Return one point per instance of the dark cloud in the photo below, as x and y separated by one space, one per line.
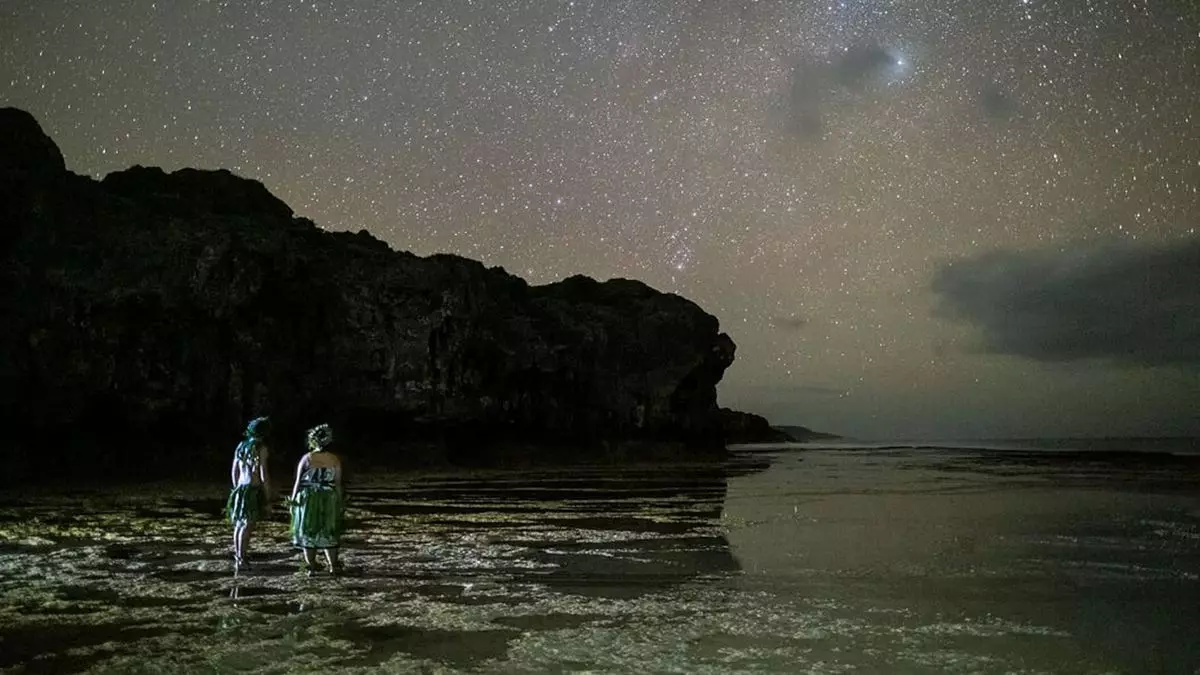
793 322
996 103
804 110
817 390
859 64
816 87
1126 303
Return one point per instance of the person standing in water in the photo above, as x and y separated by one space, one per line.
248 500
318 501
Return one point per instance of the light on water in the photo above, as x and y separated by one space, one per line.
829 560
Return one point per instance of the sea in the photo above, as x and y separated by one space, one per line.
1025 556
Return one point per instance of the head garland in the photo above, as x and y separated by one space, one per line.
257 428
247 450
319 437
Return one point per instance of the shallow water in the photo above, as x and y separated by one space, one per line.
897 560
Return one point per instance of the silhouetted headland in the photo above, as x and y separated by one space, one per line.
803 434
748 428
148 315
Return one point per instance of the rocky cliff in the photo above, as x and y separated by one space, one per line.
168 308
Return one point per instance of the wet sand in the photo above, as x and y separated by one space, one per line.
442 572
882 560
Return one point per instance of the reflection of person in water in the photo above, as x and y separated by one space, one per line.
317 501
248 500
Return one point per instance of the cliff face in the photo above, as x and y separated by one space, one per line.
180 305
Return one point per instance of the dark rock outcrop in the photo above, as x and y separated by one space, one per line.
741 427
746 428
25 148
804 434
192 191
173 307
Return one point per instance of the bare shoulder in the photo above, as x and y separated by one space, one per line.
326 459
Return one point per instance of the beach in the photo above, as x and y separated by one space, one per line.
900 558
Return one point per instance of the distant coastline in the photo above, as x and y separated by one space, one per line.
741 428
804 434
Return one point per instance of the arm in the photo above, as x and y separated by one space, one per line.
339 479
233 472
264 473
299 472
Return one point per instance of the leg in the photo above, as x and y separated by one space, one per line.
310 559
331 557
237 543
241 537
247 532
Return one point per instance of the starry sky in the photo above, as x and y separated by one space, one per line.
916 219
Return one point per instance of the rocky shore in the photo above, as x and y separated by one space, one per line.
164 309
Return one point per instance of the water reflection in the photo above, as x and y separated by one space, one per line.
595 532
970 560
454 569
893 560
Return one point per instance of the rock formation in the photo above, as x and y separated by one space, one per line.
741 427
172 307
747 428
801 434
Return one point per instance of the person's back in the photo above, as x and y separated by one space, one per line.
249 463
249 499
324 467
318 501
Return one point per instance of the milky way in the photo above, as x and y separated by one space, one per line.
804 171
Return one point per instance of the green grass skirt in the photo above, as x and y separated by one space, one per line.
317 518
245 504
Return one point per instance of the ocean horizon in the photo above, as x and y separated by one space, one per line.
1182 445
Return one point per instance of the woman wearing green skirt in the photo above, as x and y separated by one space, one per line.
317 501
249 498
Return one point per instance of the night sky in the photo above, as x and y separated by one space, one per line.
934 218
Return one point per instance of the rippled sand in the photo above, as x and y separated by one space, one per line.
828 561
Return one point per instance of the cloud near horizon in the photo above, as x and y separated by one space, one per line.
792 322
1128 303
